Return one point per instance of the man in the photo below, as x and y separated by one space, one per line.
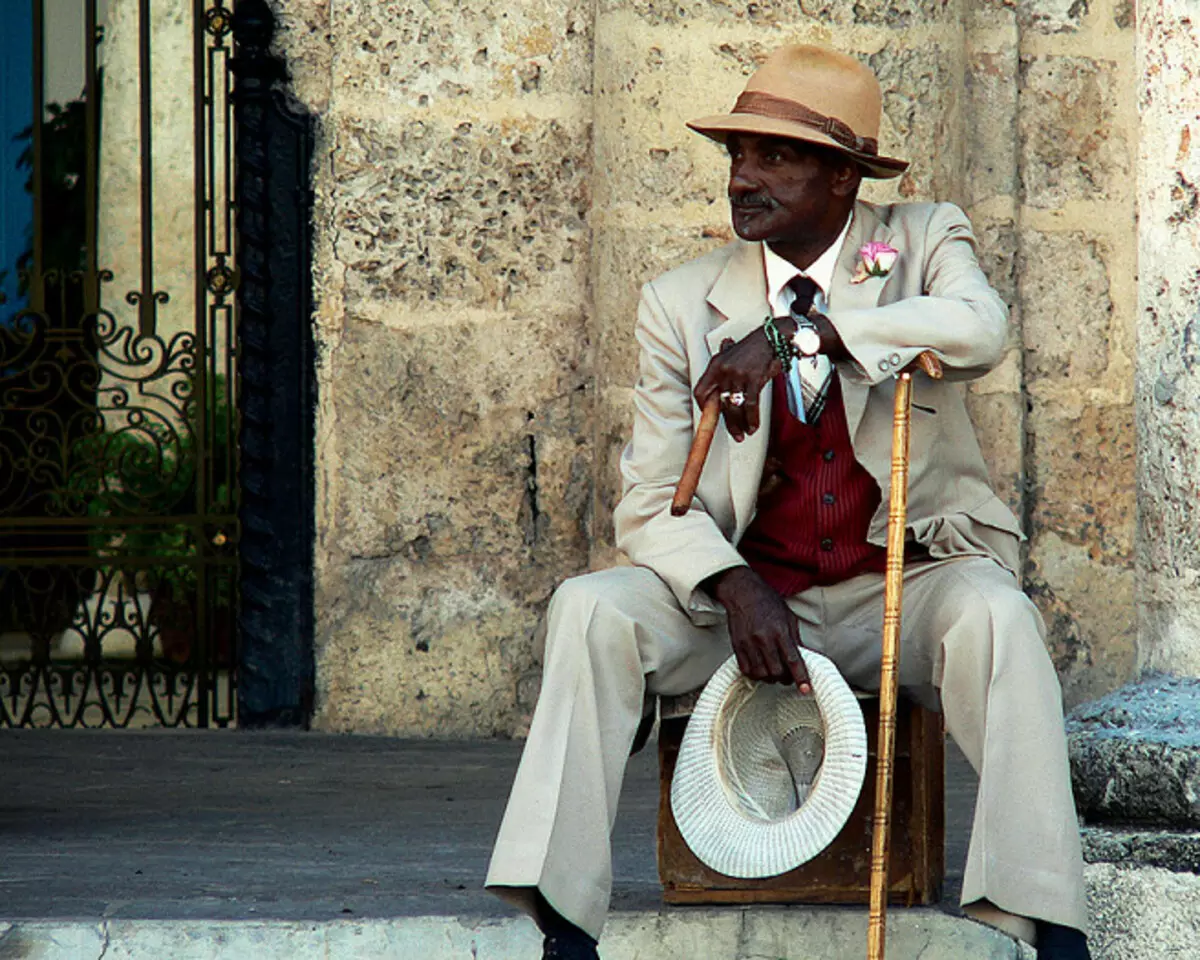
799 327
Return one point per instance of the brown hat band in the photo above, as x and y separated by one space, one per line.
777 108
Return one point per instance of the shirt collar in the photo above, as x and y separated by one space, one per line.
780 271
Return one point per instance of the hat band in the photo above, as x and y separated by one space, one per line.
777 108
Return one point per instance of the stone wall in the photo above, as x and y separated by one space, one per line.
496 181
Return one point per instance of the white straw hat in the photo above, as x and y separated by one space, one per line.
766 778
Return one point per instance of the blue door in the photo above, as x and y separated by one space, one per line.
16 99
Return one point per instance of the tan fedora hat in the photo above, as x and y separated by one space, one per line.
815 94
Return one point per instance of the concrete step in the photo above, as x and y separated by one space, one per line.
751 933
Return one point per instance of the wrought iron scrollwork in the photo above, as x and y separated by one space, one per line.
118 443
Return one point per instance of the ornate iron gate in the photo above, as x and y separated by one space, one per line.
119 354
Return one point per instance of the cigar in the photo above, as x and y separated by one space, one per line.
682 501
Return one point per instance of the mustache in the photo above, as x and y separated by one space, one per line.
758 200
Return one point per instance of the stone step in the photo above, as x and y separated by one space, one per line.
752 933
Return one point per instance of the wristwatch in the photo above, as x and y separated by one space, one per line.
807 339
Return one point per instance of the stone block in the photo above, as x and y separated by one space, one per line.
468 51
425 649
625 258
482 213
614 427
458 444
1065 306
1084 468
646 91
302 39
991 123
1072 144
1135 754
997 420
898 14
1052 16
996 247
1142 913
1177 850
921 108
1089 613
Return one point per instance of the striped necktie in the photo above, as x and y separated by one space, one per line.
815 373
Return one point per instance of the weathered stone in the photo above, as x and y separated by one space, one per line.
1065 307
1052 16
997 420
1089 615
996 245
1084 475
1168 336
920 109
481 213
1142 913
906 13
424 648
459 445
1071 141
990 133
467 51
1170 849
625 258
1135 754
302 38
614 426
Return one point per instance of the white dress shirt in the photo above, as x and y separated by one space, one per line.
779 296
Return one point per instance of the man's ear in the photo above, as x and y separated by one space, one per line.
846 179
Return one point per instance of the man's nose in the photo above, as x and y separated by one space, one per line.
743 178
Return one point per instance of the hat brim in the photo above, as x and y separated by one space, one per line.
719 127
726 838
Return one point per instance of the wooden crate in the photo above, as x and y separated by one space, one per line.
840 873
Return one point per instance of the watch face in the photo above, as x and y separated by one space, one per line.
807 341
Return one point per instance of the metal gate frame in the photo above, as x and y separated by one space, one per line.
139 485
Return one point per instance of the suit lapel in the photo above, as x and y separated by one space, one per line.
844 295
740 296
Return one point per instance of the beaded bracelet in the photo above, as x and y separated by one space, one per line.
780 344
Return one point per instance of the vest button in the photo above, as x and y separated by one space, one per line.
827 545
827 455
828 499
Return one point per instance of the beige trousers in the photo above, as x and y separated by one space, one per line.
968 633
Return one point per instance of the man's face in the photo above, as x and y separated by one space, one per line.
781 190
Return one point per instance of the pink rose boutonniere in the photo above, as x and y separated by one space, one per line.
877 261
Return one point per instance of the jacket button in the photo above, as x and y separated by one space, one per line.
827 545
895 359
827 456
828 499
884 366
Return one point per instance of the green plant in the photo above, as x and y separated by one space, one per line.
139 480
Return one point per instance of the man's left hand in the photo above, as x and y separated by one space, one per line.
744 367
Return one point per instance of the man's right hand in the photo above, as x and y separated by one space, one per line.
764 633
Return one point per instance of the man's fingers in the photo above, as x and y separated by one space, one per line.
795 661
775 670
751 413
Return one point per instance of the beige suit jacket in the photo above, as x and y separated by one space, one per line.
935 298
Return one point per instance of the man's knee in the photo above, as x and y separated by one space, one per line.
994 612
596 608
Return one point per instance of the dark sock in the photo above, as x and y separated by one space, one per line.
1056 942
563 939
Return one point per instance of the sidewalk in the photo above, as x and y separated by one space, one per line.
293 844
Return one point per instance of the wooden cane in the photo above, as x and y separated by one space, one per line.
686 489
889 661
